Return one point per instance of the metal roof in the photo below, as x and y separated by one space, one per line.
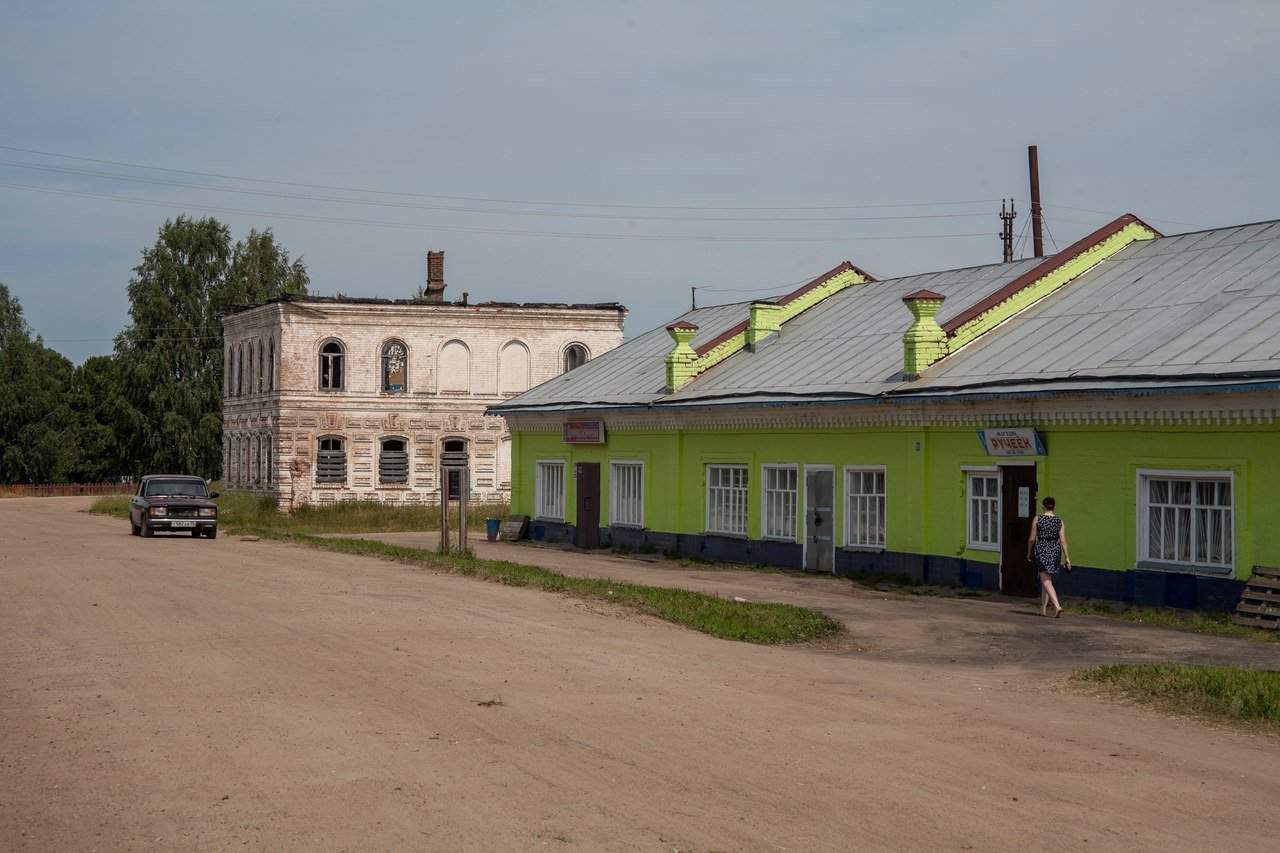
1200 308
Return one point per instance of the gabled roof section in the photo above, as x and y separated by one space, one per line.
685 362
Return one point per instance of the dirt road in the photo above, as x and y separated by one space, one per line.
184 694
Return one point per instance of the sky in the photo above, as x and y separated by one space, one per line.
616 150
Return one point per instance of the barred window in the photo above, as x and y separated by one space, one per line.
393 461
781 499
331 366
395 366
626 493
549 485
864 513
1187 519
331 460
727 499
983 526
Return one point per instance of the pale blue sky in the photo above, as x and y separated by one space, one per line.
625 119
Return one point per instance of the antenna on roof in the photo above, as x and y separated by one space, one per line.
1037 218
1006 229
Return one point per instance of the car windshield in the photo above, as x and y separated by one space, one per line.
177 488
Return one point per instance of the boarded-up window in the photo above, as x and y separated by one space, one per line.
393 461
455 367
331 460
513 368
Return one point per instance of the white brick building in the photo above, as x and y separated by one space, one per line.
329 399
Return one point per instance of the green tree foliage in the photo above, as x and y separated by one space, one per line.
170 357
36 425
101 415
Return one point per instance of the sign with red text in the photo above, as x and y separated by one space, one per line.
584 432
1011 441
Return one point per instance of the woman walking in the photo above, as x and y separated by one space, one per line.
1048 547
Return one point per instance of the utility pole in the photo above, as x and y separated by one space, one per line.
1037 218
1006 229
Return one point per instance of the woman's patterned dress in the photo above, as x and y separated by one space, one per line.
1047 550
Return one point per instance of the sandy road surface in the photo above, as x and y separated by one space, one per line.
183 694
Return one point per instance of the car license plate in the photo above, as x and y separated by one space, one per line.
182 524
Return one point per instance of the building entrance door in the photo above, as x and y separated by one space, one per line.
819 536
587 480
1017 512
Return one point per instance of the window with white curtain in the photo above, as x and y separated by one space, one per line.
983 525
864 514
1187 519
727 499
549 489
780 500
626 494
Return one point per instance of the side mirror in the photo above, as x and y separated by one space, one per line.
213 495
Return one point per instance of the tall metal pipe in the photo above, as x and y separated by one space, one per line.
1037 234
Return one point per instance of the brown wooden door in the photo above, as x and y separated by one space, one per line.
1017 512
819 540
587 479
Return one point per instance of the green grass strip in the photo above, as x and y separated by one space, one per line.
1230 694
1200 622
749 622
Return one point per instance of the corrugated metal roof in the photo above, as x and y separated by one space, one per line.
1191 307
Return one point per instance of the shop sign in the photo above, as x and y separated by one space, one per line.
584 432
1011 441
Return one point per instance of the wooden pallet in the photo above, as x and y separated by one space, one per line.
1260 602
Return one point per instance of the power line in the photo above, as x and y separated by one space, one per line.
476 198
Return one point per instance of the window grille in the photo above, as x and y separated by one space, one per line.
1188 519
781 499
393 461
626 493
727 499
331 461
984 511
549 486
864 507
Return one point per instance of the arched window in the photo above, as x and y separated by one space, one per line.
255 465
331 366
271 366
229 359
267 453
513 368
262 370
331 460
395 366
393 460
455 367
575 355
239 369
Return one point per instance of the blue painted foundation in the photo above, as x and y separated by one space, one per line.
1141 587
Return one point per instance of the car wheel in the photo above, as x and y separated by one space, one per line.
134 530
212 533
147 532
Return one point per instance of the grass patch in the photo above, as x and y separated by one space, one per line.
241 512
1200 622
767 624
1229 694
750 622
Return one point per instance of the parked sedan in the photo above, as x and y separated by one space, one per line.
173 502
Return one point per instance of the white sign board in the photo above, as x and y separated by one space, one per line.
1024 501
1011 441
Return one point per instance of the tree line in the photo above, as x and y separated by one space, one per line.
155 403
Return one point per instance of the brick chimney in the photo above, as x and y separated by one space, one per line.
435 276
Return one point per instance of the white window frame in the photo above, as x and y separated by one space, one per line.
727 504
1144 476
970 540
549 502
626 498
877 501
771 496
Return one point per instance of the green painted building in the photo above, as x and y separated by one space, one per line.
912 425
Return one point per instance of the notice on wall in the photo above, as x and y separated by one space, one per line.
1011 441
1024 501
584 432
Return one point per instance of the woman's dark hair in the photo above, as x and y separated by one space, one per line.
1049 503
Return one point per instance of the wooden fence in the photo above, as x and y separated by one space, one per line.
63 490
